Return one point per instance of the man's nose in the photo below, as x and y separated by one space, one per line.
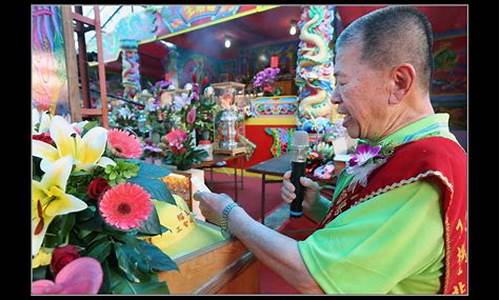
336 97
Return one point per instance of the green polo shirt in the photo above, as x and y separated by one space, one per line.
390 244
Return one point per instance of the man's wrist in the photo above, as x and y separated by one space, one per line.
225 217
319 209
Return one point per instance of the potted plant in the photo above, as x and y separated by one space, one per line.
181 150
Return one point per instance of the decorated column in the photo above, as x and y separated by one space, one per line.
314 76
170 64
131 78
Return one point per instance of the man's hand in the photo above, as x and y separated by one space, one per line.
212 205
311 192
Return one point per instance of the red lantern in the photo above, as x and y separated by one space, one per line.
274 61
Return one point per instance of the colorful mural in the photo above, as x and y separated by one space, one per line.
450 66
274 106
189 63
49 76
159 22
257 58
449 80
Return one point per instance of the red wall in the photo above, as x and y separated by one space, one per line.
263 141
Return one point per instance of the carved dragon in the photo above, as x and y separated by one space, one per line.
315 70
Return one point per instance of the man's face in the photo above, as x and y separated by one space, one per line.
360 92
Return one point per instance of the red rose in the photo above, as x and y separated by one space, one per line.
44 137
193 77
97 187
61 256
205 81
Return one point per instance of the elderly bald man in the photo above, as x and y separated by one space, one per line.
397 220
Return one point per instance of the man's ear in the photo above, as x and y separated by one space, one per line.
403 79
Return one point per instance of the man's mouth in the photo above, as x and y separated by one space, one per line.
347 118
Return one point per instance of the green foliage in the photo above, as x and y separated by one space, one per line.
131 263
122 171
149 177
37 172
58 230
78 183
118 284
89 126
100 248
40 273
155 258
189 157
152 225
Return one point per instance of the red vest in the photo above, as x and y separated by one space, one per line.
441 161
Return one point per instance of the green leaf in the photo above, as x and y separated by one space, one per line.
83 233
58 230
90 237
106 280
164 229
89 126
157 259
120 285
152 225
150 170
155 187
131 263
108 169
100 250
93 224
40 273
85 214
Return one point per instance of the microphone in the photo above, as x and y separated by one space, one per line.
299 149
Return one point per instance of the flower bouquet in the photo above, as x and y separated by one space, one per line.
181 150
93 200
264 80
319 164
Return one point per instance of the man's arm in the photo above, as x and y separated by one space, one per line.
277 251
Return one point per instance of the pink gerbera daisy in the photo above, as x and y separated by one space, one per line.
123 144
126 206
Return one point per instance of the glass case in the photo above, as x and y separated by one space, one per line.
229 120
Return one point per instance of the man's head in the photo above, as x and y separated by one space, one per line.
383 68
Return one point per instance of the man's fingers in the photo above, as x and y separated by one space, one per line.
287 175
287 195
198 196
308 183
288 185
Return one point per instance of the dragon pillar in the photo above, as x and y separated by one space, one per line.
131 78
314 76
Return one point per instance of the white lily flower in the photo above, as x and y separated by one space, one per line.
49 199
86 152
43 118
79 126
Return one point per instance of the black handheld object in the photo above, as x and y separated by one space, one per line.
300 147
298 170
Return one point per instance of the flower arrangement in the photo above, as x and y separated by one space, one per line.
92 210
180 149
191 116
364 160
264 80
319 163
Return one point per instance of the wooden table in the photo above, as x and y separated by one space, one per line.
276 166
225 267
218 158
